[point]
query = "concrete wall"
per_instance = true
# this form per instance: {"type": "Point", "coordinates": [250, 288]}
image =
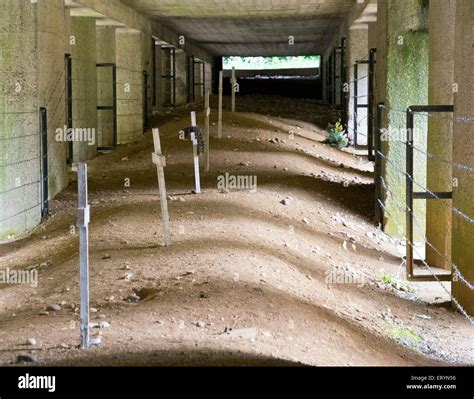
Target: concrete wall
{"type": "Point", "coordinates": [440, 139]}
{"type": "Point", "coordinates": [402, 74]}
{"type": "Point", "coordinates": [181, 77]}
{"type": "Point", "coordinates": [84, 83]}
{"type": "Point", "coordinates": [129, 85]}
{"type": "Point", "coordinates": [33, 44]}
{"type": "Point", "coordinates": [463, 152]}
{"type": "Point", "coordinates": [357, 49]}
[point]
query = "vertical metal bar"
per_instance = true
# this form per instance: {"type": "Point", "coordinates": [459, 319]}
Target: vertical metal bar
{"type": "Point", "coordinates": [194, 77]}
{"type": "Point", "coordinates": [233, 83]}
{"type": "Point", "coordinates": [44, 162]}
{"type": "Point", "coordinates": [378, 165]}
{"type": "Point", "coordinates": [83, 226]}
{"type": "Point", "coordinates": [114, 105]}
{"type": "Point", "coordinates": [207, 112]}
{"type": "Point", "coordinates": [342, 71]}
{"type": "Point", "coordinates": [153, 73]}
{"type": "Point", "coordinates": [333, 86]}
{"type": "Point", "coordinates": [145, 100]}
{"type": "Point", "coordinates": [203, 79]}
{"type": "Point", "coordinates": [355, 102]}
{"type": "Point", "coordinates": [173, 54]}
{"type": "Point", "coordinates": [370, 110]}
{"type": "Point", "coordinates": [409, 194]}
{"type": "Point", "coordinates": [221, 89]}
{"type": "Point", "coordinates": [197, 176]}
{"type": "Point", "coordinates": [70, 147]}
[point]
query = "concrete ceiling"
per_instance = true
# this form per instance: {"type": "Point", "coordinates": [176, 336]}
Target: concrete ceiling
{"type": "Point", "coordinates": [251, 27]}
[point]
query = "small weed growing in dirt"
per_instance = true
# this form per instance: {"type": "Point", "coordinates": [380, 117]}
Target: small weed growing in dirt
{"type": "Point", "coordinates": [391, 281]}
{"type": "Point", "coordinates": [404, 334]}
{"type": "Point", "coordinates": [336, 136]}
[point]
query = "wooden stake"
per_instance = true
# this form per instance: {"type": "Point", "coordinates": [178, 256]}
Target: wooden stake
{"type": "Point", "coordinates": [233, 82]}
{"type": "Point", "coordinates": [207, 113]}
{"type": "Point", "coordinates": [83, 218]}
{"type": "Point", "coordinates": [221, 89]}
{"type": "Point", "coordinates": [197, 176]}
{"type": "Point", "coordinates": [160, 161]}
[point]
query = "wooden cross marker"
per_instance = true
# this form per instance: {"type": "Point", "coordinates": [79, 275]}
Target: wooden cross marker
{"type": "Point", "coordinates": [207, 113]}
{"type": "Point", "coordinates": [197, 176]}
{"type": "Point", "coordinates": [221, 89]}
{"type": "Point", "coordinates": [160, 161]}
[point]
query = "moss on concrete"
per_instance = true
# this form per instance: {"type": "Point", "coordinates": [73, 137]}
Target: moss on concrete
{"type": "Point", "coordinates": [407, 84]}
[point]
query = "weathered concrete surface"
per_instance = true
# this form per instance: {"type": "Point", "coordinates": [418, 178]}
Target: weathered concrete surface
{"type": "Point", "coordinates": [32, 44]}
{"type": "Point", "coordinates": [402, 74]}
{"type": "Point", "coordinates": [84, 84]}
{"type": "Point", "coordinates": [249, 27]}
{"type": "Point", "coordinates": [463, 152]}
{"type": "Point", "coordinates": [181, 77]}
{"type": "Point", "coordinates": [129, 85]}
{"type": "Point", "coordinates": [440, 140]}
{"type": "Point", "coordinates": [357, 49]}
{"type": "Point", "coordinates": [105, 54]}
{"type": "Point", "coordinates": [130, 18]}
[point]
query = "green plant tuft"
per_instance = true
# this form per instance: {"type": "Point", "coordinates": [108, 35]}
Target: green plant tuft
{"type": "Point", "coordinates": [336, 136]}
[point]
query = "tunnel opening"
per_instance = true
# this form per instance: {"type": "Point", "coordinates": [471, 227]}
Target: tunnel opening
{"type": "Point", "coordinates": [285, 76]}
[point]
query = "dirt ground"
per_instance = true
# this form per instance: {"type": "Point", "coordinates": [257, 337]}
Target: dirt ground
{"type": "Point", "coordinates": [245, 281]}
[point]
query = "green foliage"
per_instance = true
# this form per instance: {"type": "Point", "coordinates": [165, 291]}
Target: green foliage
{"type": "Point", "coordinates": [392, 281]}
{"type": "Point", "coordinates": [277, 62]}
{"type": "Point", "coordinates": [336, 136]}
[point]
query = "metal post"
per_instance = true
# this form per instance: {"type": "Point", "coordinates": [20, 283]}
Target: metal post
{"type": "Point", "coordinates": [70, 148]}
{"type": "Point", "coordinates": [342, 68]}
{"type": "Point", "coordinates": [207, 112]}
{"type": "Point", "coordinates": [193, 77]}
{"type": "Point", "coordinates": [153, 68]}
{"type": "Point", "coordinates": [233, 82]}
{"type": "Point", "coordinates": [197, 177]}
{"type": "Point", "coordinates": [378, 165]}
{"type": "Point", "coordinates": [219, 121]}
{"type": "Point", "coordinates": [173, 55]}
{"type": "Point", "coordinates": [371, 100]}
{"type": "Point", "coordinates": [410, 195]}
{"type": "Point", "coordinates": [333, 86]}
{"type": "Point", "coordinates": [203, 79]}
{"type": "Point", "coordinates": [114, 105]}
{"type": "Point", "coordinates": [145, 100]}
{"type": "Point", "coordinates": [83, 217]}
{"type": "Point", "coordinates": [355, 102]}
{"type": "Point", "coordinates": [160, 161]}
{"type": "Point", "coordinates": [44, 162]}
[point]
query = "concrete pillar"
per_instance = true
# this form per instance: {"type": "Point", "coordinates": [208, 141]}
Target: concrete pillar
{"type": "Point", "coordinates": [105, 54]}
{"type": "Point", "coordinates": [402, 80]}
{"type": "Point", "coordinates": [128, 47]}
{"type": "Point", "coordinates": [357, 49]}
{"type": "Point", "coordinates": [463, 152]}
{"type": "Point", "coordinates": [84, 84]}
{"type": "Point", "coordinates": [33, 43]}
{"type": "Point", "coordinates": [439, 174]}
{"type": "Point", "coordinates": [208, 73]}
{"type": "Point", "coordinates": [181, 77]}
